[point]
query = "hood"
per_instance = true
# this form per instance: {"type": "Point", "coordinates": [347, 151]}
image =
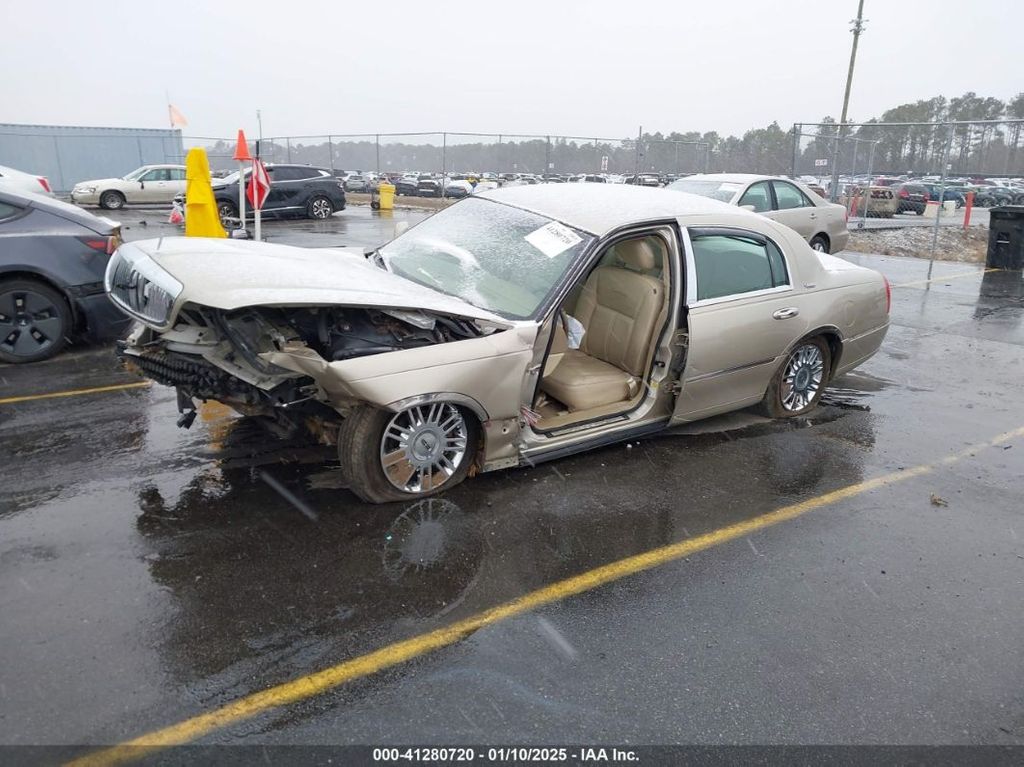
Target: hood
{"type": "Point", "coordinates": [232, 274]}
{"type": "Point", "coordinates": [103, 182]}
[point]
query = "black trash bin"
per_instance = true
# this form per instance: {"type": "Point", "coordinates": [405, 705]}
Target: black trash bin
{"type": "Point", "coordinates": [1006, 237]}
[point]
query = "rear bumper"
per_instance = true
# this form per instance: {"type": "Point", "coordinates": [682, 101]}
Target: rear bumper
{"type": "Point", "coordinates": [101, 320]}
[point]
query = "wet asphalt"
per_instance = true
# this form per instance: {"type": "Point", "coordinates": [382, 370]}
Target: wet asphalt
{"type": "Point", "coordinates": [149, 574]}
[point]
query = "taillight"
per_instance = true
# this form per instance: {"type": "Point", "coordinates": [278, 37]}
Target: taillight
{"type": "Point", "coordinates": [888, 295]}
{"type": "Point", "coordinates": [105, 245]}
{"type": "Point", "coordinates": [904, 193]}
{"type": "Point", "coordinates": [44, 183]}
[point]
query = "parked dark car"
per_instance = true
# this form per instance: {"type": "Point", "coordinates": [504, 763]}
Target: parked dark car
{"type": "Point", "coordinates": [429, 187]}
{"type": "Point", "coordinates": [949, 193]}
{"type": "Point", "coordinates": [912, 198]}
{"type": "Point", "coordinates": [993, 196]}
{"type": "Point", "coordinates": [53, 257]}
{"type": "Point", "coordinates": [295, 190]}
{"type": "Point", "coordinates": [407, 186]}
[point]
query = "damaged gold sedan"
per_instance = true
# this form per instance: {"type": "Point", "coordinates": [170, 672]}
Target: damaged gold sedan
{"type": "Point", "coordinates": [516, 326]}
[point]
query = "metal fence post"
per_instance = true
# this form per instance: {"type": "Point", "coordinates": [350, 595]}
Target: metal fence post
{"type": "Point", "coordinates": [330, 148]}
{"type": "Point", "coordinates": [797, 130]}
{"type": "Point", "coordinates": [444, 151]}
{"type": "Point", "coordinates": [377, 140]}
{"type": "Point", "coordinates": [942, 197]}
{"type": "Point", "coordinates": [834, 183]}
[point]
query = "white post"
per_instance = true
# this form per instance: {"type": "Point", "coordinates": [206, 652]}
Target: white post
{"type": "Point", "coordinates": [241, 193]}
{"type": "Point", "coordinates": [256, 207]}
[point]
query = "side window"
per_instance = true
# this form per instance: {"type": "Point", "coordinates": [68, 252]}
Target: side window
{"type": "Point", "coordinates": [283, 173]}
{"type": "Point", "coordinates": [780, 275]}
{"type": "Point", "coordinates": [177, 174]}
{"type": "Point", "coordinates": [758, 196]}
{"type": "Point", "coordinates": [790, 197]}
{"type": "Point", "coordinates": [8, 211]}
{"type": "Point", "coordinates": [159, 174]}
{"type": "Point", "coordinates": [731, 264]}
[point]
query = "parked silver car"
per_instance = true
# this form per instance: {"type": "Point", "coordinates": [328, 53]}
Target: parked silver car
{"type": "Point", "coordinates": [820, 222]}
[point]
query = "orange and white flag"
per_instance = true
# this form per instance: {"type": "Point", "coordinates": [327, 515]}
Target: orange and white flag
{"type": "Point", "coordinates": [177, 118]}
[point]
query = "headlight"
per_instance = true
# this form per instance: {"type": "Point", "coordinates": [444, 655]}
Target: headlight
{"type": "Point", "coordinates": [141, 288]}
{"type": "Point", "coordinates": [84, 190]}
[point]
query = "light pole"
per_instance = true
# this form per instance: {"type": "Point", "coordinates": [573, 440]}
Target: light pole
{"type": "Point", "coordinates": [857, 28]}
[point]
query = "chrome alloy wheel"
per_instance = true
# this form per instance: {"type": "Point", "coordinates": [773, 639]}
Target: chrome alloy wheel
{"type": "Point", "coordinates": [802, 379]}
{"type": "Point", "coordinates": [423, 446]}
{"type": "Point", "coordinates": [322, 208]}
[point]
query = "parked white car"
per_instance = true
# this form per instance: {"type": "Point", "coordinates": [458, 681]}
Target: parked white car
{"type": "Point", "coordinates": [148, 184]}
{"type": "Point", "coordinates": [820, 222]}
{"type": "Point", "coordinates": [18, 181]}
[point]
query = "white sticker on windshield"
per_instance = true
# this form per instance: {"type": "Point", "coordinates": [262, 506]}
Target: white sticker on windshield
{"type": "Point", "coordinates": [552, 239]}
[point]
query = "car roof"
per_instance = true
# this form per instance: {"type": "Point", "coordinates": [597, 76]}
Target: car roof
{"type": "Point", "coordinates": [601, 208]}
{"type": "Point", "coordinates": [733, 178]}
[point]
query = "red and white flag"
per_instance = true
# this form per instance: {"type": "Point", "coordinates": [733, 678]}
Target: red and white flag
{"type": "Point", "coordinates": [259, 185]}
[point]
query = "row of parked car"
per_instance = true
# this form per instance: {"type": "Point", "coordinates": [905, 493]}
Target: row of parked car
{"type": "Point", "coordinates": [912, 195]}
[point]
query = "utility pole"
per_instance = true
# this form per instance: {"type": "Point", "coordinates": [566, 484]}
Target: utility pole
{"type": "Point", "coordinates": [857, 28]}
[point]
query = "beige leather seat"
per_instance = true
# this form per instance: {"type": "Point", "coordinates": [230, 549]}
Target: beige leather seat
{"type": "Point", "coordinates": [618, 307]}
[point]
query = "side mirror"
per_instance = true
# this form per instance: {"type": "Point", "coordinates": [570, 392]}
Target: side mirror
{"type": "Point", "coordinates": [751, 208]}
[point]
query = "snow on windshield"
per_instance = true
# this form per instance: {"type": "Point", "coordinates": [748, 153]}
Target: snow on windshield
{"type": "Point", "coordinates": [716, 190]}
{"type": "Point", "coordinates": [491, 255]}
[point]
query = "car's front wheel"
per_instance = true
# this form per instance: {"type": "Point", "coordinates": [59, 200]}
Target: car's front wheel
{"type": "Point", "coordinates": [798, 384]}
{"type": "Point", "coordinates": [320, 207]}
{"type": "Point", "coordinates": [412, 454]}
{"type": "Point", "coordinates": [34, 321]}
{"type": "Point", "coordinates": [112, 200]}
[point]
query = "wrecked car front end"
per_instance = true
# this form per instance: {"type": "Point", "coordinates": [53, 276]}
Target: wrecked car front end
{"type": "Point", "coordinates": [292, 363]}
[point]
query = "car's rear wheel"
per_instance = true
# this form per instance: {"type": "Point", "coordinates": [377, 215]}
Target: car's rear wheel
{"type": "Point", "coordinates": [820, 243]}
{"type": "Point", "coordinates": [226, 209]}
{"type": "Point", "coordinates": [798, 384]}
{"type": "Point", "coordinates": [34, 321]}
{"type": "Point", "coordinates": [320, 207]}
{"type": "Point", "coordinates": [112, 200]}
{"type": "Point", "coordinates": [412, 454]}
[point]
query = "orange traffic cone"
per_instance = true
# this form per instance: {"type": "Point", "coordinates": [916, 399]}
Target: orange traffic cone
{"type": "Point", "coordinates": [242, 148]}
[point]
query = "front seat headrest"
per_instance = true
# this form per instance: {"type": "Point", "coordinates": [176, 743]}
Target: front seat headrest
{"type": "Point", "coordinates": [636, 254]}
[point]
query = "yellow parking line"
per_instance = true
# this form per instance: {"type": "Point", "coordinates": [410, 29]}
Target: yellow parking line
{"type": "Point", "coordinates": [943, 278]}
{"type": "Point", "coordinates": [73, 392]}
{"type": "Point", "coordinates": [320, 682]}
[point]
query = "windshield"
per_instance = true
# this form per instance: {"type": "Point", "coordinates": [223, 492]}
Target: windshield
{"type": "Point", "coordinates": [493, 256]}
{"type": "Point", "coordinates": [716, 190]}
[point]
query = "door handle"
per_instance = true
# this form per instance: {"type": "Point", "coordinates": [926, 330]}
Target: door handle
{"type": "Point", "coordinates": [785, 314]}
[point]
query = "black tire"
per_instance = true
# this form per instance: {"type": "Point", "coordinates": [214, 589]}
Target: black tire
{"type": "Point", "coordinates": [319, 208]}
{"type": "Point", "coordinates": [820, 243]}
{"type": "Point", "coordinates": [226, 209]}
{"type": "Point", "coordinates": [360, 450]}
{"type": "Point", "coordinates": [35, 321]}
{"type": "Point", "coordinates": [774, 403]}
{"type": "Point", "coordinates": [112, 200]}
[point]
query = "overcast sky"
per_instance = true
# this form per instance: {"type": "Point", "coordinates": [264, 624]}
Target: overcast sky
{"type": "Point", "coordinates": [571, 67]}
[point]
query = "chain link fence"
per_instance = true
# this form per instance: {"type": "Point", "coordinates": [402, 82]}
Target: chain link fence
{"type": "Point", "coordinates": [453, 152]}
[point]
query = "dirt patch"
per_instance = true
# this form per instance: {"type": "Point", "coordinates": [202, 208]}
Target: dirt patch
{"type": "Point", "coordinates": [954, 243]}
